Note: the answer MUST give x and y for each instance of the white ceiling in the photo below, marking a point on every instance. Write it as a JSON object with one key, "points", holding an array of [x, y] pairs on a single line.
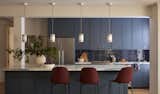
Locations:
{"points": [[88, 2]]}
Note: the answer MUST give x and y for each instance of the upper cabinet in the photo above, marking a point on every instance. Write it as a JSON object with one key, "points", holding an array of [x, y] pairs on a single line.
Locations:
{"points": [[128, 33], [140, 33]]}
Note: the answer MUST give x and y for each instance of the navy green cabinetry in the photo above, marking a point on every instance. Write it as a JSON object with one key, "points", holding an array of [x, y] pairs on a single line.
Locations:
{"points": [[128, 33]]}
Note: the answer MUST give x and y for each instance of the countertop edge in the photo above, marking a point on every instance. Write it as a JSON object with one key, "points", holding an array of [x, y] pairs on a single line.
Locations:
{"points": [[107, 67]]}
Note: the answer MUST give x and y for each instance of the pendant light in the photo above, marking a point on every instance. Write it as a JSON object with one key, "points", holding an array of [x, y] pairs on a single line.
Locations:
{"points": [[81, 34], [52, 35], [109, 36]]}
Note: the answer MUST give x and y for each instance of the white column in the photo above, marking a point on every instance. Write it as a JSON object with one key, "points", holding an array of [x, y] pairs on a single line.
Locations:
{"points": [[23, 41], [19, 30]]}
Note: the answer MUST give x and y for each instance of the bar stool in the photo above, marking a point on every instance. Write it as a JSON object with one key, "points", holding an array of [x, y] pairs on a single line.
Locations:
{"points": [[89, 76], [60, 75], [125, 77]]}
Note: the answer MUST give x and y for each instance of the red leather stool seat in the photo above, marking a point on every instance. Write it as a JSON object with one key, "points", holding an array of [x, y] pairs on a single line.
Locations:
{"points": [[89, 76], [60, 75]]}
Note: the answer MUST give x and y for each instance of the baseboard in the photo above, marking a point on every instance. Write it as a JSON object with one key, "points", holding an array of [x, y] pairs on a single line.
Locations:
{"points": [[139, 87]]}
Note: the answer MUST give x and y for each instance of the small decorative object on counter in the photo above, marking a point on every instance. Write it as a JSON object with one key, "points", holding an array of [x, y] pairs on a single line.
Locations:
{"points": [[113, 58], [123, 60], [83, 57], [40, 59]]}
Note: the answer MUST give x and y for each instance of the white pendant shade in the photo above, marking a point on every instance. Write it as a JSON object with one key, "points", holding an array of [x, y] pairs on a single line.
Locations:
{"points": [[81, 37], [52, 37], [109, 38]]}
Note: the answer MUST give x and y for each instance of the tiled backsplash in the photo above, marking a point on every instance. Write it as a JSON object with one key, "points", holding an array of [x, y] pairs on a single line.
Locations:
{"points": [[101, 55]]}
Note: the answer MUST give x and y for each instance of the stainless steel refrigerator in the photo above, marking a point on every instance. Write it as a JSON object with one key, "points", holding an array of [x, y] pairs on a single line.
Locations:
{"points": [[66, 48]]}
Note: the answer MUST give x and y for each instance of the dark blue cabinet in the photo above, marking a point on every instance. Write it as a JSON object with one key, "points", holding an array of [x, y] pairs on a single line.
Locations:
{"points": [[116, 28], [128, 33], [98, 30], [140, 33], [141, 77], [137, 34], [122, 35]]}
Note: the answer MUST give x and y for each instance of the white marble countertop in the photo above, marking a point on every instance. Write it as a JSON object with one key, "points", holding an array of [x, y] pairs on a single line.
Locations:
{"points": [[145, 62], [99, 67]]}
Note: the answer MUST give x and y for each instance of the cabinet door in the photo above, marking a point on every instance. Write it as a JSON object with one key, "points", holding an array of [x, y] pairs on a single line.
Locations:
{"points": [[98, 32], [122, 33], [145, 33], [126, 33], [64, 27], [116, 28], [141, 77], [140, 33]]}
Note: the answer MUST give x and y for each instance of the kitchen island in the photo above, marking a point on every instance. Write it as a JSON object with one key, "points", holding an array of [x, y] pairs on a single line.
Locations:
{"points": [[36, 80]]}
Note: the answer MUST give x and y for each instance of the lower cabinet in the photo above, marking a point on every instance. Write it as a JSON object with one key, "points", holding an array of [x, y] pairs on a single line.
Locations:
{"points": [[141, 76], [38, 82]]}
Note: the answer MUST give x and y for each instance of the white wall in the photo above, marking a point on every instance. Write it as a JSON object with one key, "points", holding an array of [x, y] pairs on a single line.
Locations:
{"points": [[4, 28], [73, 10], [37, 26]]}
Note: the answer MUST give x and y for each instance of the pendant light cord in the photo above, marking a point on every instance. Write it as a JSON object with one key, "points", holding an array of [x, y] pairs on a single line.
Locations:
{"points": [[53, 9], [24, 10], [25, 4], [109, 28], [81, 19], [109, 14]]}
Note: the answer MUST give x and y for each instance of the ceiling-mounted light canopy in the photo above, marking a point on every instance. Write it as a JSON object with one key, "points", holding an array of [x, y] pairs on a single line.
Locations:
{"points": [[52, 35], [81, 34]]}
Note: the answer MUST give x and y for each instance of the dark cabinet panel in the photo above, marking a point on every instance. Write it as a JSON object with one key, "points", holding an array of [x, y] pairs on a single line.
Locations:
{"points": [[140, 33], [137, 34], [145, 33], [116, 28], [128, 33], [141, 77], [97, 29]]}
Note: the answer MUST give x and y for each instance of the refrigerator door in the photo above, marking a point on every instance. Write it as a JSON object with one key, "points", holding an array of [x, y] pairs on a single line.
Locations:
{"points": [[68, 46]]}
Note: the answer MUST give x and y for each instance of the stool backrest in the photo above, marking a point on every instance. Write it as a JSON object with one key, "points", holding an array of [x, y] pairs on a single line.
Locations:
{"points": [[125, 75], [60, 75], [89, 76]]}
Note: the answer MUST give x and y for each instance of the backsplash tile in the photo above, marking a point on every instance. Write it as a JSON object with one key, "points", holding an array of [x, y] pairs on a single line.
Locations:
{"points": [[101, 55]]}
